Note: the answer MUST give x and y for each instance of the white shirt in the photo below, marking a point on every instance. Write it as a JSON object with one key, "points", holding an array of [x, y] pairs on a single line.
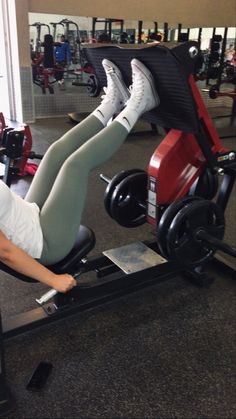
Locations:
{"points": [[19, 221]]}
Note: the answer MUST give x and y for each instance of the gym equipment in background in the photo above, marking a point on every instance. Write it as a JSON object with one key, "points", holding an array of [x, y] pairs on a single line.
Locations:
{"points": [[47, 71], [215, 92], [213, 60], [16, 151], [35, 44]]}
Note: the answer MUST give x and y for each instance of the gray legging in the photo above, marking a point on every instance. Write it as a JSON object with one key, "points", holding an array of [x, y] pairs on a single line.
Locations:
{"points": [[60, 184]]}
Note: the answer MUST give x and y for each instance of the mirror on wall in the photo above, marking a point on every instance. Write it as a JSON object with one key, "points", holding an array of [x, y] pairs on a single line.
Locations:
{"points": [[59, 65]]}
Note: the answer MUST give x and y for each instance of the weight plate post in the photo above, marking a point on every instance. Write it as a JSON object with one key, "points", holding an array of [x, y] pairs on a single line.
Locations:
{"points": [[128, 201], [182, 243]]}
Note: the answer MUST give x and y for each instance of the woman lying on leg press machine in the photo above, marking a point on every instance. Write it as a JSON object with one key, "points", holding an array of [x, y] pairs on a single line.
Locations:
{"points": [[34, 232]]}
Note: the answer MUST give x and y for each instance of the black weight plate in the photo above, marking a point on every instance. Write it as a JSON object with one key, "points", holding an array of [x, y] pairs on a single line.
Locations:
{"points": [[166, 219], [128, 202], [213, 92], [205, 186], [181, 241], [113, 183], [93, 88]]}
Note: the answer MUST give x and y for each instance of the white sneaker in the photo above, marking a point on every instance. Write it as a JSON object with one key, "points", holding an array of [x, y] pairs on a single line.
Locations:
{"points": [[116, 93], [143, 95]]}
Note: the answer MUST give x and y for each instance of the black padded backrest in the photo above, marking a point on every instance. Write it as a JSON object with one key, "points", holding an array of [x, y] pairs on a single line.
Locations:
{"points": [[170, 68], [48, 59]]}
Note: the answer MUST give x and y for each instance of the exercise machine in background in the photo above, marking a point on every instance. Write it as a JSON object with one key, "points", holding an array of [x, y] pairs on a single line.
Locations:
{"points": [[16, 152], [46, 70]]}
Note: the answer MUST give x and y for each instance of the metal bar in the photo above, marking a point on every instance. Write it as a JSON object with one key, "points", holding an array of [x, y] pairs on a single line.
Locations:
{"points": [[206, 149], [105, 27], [5, 396], [215, 243], [93, 27], [225, 190], [222, 57], [165, 32], [179, 30], [200, 37], [140, 27], [110, 28], [2, 366], [100, 292], [105, 178]]}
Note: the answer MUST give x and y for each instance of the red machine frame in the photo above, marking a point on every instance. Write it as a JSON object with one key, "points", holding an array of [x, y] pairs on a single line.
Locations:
{"points": [[179, 155], [23, 166]]}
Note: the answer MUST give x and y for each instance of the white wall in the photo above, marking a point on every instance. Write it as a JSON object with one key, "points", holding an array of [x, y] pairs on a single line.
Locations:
{"points": [[85, 23], [194, 13]]}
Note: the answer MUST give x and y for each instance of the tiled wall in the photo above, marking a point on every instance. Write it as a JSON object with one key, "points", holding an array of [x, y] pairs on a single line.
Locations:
{"points": [[73, 99], [35, 104], [61, 103]]}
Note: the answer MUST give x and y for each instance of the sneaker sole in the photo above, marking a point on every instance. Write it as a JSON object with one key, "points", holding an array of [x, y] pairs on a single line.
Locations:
{"points": [[148, 76], [122, 86]]}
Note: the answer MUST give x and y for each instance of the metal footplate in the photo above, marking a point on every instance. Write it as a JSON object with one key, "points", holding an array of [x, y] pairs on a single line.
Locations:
{"points": [[134, 257], [130, 258]]}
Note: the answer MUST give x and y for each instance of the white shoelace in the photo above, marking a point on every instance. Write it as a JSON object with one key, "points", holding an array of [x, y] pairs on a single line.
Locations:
{"points": [[114, 88], [108, 96], [136, 90]]}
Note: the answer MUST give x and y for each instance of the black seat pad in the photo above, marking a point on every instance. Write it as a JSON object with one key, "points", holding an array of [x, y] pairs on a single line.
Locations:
{"points": [[85, 242]]}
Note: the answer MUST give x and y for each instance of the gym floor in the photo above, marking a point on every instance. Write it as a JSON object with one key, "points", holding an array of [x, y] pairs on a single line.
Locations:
{"points": [[165, 352]]}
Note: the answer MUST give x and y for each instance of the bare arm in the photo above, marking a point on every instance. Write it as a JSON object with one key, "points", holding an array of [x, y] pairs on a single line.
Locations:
{"points": [[14, 257]]}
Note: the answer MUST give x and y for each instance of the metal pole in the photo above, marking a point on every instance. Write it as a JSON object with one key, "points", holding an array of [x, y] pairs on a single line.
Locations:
{"points": [[110, 28], [5, 399], [140, 27], [105, 27], [93, 27], [179, 30], [223, 48], [165, 32], [200, 37]]}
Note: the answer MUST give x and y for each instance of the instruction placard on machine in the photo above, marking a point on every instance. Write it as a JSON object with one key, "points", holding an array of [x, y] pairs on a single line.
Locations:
{"points": [[134, 257]]}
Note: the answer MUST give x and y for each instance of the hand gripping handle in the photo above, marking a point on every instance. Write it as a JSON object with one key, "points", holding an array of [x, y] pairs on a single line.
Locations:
{"points": [[51, 293]]}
